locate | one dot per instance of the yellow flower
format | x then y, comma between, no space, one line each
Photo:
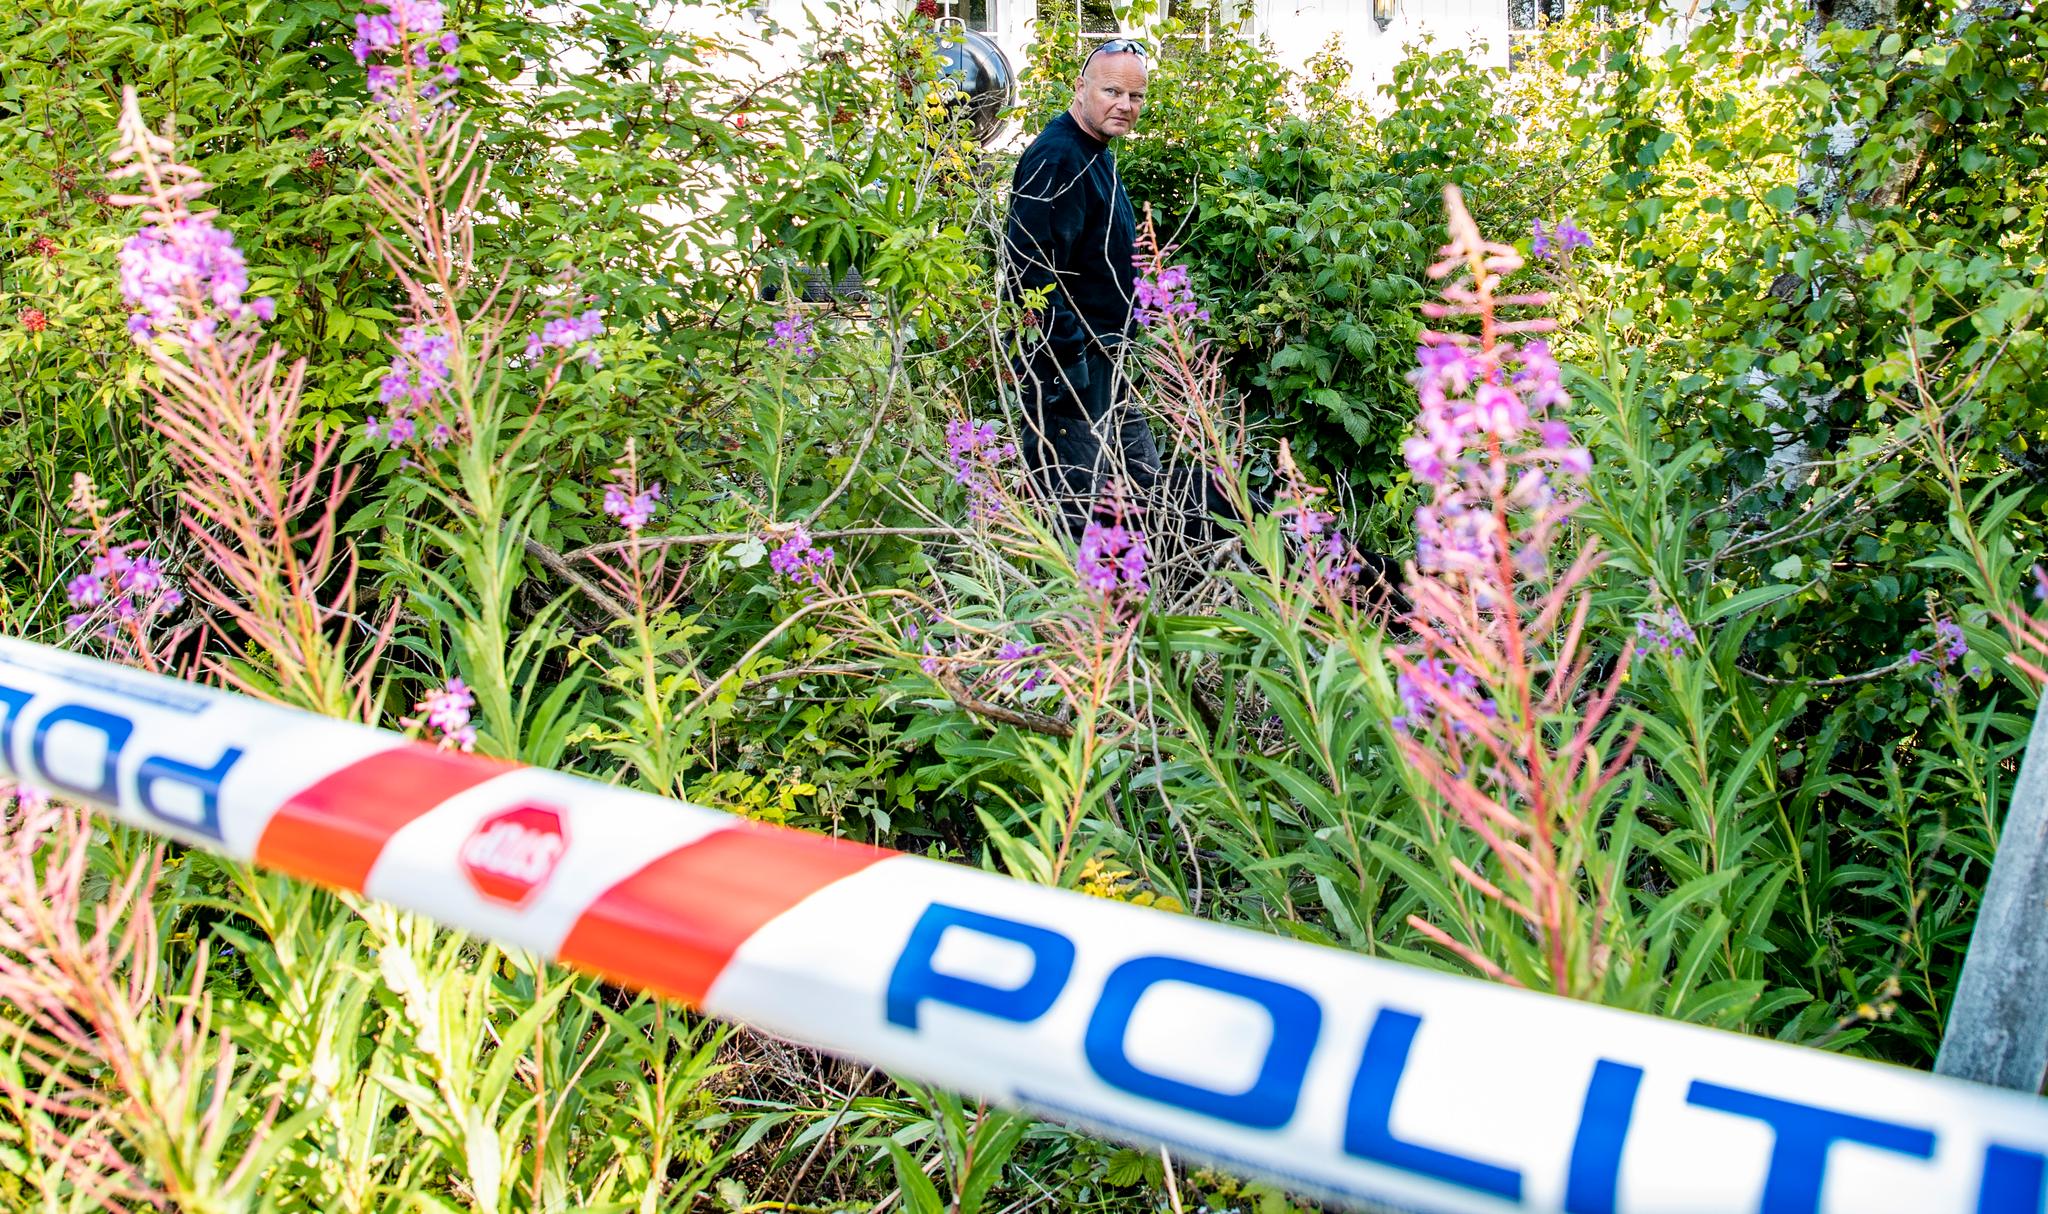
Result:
1100,879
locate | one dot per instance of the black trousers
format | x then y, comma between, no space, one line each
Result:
1080,430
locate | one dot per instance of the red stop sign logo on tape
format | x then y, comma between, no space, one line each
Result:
512,853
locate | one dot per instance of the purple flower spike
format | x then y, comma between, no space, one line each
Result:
794,334
1435,681
119,588
449,707
1167,297
1558,241
1949,648
1474,403
1112,559
633,508
184,279
144,576
1667,633
797,560
404,35
446,710
975,453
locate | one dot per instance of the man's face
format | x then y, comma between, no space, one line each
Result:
1110,94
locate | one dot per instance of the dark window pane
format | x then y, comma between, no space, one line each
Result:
1534,14
976,13
1097,16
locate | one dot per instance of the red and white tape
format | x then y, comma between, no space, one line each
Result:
1359,1080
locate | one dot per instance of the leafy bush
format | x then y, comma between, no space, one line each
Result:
1302,236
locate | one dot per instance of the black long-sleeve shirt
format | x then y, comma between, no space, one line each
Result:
1071,226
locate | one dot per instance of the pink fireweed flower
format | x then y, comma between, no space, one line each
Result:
446,711
1167,296
974,452
417,376
183,278
1499,660
418,370
634,508
398,36
1666,632
1498,411
796,558
1558,241
144,575
448,708
1336,561
1328,555
1111,561
85,590
794,334
1012,654
1306,522
1537,376
120,587
575,334
1422,691
395,431
1949,648
1476,403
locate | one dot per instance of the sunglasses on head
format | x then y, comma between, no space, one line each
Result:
1116,46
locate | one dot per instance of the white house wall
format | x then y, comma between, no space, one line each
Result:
1296,29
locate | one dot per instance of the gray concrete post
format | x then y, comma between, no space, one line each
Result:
1998,1026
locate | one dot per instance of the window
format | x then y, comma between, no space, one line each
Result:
1200,20
1526,19
1534,14
1098,18
977,14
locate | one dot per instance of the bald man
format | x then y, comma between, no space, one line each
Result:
1071,229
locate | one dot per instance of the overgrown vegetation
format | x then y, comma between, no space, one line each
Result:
672,530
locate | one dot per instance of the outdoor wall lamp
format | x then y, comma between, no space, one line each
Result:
1383,13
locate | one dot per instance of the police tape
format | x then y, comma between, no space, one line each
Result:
1359,1080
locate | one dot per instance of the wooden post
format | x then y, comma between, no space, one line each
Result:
1998,1027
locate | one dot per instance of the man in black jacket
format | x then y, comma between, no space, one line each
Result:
1071,229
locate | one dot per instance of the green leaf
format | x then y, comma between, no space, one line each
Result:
920,1196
